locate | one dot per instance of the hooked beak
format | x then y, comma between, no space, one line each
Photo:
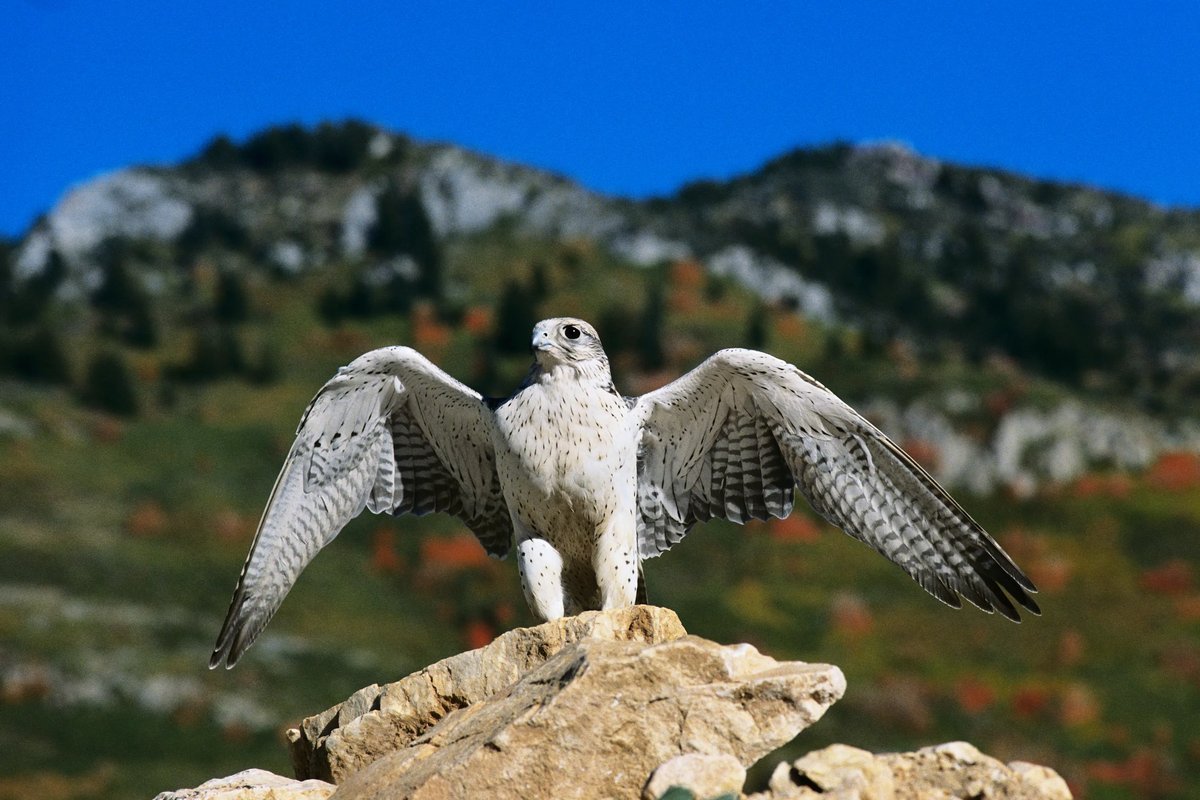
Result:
541,341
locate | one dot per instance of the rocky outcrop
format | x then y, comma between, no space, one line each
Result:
379,719
951,770
616,704
599,717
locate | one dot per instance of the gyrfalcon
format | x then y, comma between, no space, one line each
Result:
588,483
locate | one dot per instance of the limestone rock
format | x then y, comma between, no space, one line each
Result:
703,775
377,720
253,784
944,772
596,720
839,770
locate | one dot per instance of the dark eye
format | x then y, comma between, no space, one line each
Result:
570,331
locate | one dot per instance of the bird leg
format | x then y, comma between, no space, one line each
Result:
616,565
541,568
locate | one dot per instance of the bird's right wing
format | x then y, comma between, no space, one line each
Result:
736,436
391,433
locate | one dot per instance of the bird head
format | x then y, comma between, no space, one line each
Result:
566,340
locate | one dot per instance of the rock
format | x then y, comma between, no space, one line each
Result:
596,720
253,784
703,775
377,720
947,771
839,770
613,704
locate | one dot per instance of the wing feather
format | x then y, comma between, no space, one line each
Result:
391,433
775,430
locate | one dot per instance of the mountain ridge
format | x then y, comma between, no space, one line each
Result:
1094,290
876,225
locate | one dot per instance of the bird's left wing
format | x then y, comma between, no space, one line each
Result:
735,436
391,433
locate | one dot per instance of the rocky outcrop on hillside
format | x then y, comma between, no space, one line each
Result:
618,704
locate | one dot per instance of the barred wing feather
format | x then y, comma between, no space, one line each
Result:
391,433
736,436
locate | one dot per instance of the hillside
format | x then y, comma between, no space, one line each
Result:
162,328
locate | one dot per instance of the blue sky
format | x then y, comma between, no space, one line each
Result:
630,98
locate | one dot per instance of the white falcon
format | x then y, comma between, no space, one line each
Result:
588,483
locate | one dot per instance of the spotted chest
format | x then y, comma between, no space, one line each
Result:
567,458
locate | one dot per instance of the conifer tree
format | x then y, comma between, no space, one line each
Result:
650,349
402,227
232,302
516,314
108,385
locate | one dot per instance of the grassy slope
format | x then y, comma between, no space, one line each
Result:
120,543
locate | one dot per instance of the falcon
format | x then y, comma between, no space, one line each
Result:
587,483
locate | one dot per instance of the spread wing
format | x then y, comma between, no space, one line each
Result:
735,436
391,433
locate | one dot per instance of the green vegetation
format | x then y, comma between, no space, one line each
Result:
330,147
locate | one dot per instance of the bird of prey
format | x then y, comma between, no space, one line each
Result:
587,483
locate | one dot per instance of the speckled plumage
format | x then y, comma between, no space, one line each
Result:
587,483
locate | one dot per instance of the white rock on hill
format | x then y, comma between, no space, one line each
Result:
130,202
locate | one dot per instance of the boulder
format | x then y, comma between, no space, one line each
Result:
380,719
253,784
943,772
598,718
703,775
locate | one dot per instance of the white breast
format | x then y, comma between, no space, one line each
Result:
562,448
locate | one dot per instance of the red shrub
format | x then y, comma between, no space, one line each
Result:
687,273
230,526
504,613
850,616
429,335
925,453
791,328
1078,706
1071,648
147,519
1051,573
1173,579
1030,701
1145,772
1188,608
478,320
973,696
477,634
384,557
1092,485
795,528
458,552
1175,472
